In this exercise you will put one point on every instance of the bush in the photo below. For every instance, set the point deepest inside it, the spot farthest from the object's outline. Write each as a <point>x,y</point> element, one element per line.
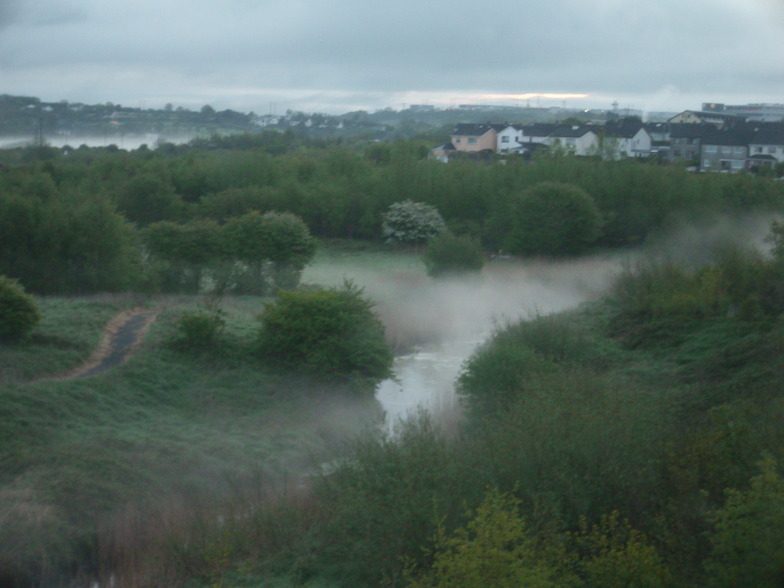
<point>553,218</point>
<point>329,333</point>
<point>451,254</point>
<point>412,222</point>
<point>200,329</point>
<point>18,312</point>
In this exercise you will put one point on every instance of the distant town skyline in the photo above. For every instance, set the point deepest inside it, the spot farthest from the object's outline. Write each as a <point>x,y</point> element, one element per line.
<point>337,56</point>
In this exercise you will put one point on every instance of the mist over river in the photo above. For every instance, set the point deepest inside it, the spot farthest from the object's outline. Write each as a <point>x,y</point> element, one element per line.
<point>436,324</point>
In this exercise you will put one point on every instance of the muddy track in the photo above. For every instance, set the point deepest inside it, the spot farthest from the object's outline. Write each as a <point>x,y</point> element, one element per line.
<point>120,338</point>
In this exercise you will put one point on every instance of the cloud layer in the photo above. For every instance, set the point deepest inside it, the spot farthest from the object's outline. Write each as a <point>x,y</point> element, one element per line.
<point>335,55</point>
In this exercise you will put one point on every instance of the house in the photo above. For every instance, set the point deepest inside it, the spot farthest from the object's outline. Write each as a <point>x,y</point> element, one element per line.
<point>628,138</point>
<point>475,137</point>
<point>509,139</point>
<point>717,119</point>
<point>538,132</point>
<point>766,147</point>
<point>443,152</point>
<point>725,150</point>
<point>685,140</point>
<point>577,139</point>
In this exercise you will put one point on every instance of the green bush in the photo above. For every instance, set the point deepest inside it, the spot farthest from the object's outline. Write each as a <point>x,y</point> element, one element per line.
<point>200,329</point>
<point>18,312</point>
<point>447,253</point>
<point>553,218</point>
<point>330,333</point>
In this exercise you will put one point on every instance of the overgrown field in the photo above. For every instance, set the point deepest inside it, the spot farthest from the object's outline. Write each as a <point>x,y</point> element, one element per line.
<point>161,434</point>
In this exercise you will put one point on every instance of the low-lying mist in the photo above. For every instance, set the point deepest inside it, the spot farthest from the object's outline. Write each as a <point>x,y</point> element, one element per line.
<point>435,324</point>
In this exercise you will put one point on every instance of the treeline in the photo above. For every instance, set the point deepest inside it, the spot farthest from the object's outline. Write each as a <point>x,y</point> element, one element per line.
<point>72,221</point>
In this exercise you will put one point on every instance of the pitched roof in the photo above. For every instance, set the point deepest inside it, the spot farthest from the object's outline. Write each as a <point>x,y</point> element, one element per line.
<point>768,134</point>
<point>690,131</point>
<point>571,131</point>
<point>624,129</point>
<point>473,130</point>
<point>539,129</point>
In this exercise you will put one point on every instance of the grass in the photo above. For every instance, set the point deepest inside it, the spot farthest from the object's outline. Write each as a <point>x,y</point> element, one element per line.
<point>164,424</point>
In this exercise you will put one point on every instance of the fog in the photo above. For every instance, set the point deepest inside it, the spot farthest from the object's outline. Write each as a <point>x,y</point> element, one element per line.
<point>435,325</point>
<point>128,142</point>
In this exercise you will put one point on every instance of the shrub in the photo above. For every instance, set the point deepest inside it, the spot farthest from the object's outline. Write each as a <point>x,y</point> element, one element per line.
<point>412,222</point>
<point>451,254</point>
<point>330,333</point>
<point>553,218</point>
<point>200,329</point>
<point>18,312</point>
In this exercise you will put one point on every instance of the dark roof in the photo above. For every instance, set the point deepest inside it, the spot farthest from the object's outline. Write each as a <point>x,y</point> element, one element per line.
<point>763,157</point>
<point>768,133</point>
<point>473,130</point>
<point>445,147</point>
<point>539,129</point>
<point>571,131</point>
<point>690,131</point>
<point>733,137</point>
<point>625,129</point>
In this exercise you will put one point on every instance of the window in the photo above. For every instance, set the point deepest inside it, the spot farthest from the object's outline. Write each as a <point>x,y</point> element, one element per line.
<point>505,139</point>
<point>706,163</point>
<point>771,150</point>
<point>472,141</point>
<point>738,150</point>
<point>711,149</point>
<point>758,150</point>
<point>457,140</point>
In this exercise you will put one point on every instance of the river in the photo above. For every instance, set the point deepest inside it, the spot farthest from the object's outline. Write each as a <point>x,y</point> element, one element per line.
<point>437,324</point>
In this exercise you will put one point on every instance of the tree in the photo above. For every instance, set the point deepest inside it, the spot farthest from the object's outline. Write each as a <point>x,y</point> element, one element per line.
<point>18,312</point>
<point>748,541</point>
<point>553,218</point>
<point>494,549</point>
<point>330,333</point>
<point>276,241</point>
<point>411,222</point>
<point>447,253</point>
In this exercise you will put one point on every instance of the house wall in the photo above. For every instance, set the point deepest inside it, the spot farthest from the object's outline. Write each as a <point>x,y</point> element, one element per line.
<point>509,138</point>
<point>473,143</point>
<point>730,158</point>
<point>776,151</point>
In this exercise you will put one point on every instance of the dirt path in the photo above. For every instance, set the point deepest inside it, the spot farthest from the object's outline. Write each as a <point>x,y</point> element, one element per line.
<point>120,337</point>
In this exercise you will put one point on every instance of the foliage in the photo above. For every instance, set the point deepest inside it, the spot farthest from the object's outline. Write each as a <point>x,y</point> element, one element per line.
<point>553,218</point>
<point>201,329</point>
<point>748,541</point>
<point>447,253</point>
<point>331,333</point>
<point>495,549</point>
<point>615,555</point>
<point>18,312</point>
<point>411,222</point>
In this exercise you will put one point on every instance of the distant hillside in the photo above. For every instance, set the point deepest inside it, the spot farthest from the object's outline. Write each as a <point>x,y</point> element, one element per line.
<point>29,117</point>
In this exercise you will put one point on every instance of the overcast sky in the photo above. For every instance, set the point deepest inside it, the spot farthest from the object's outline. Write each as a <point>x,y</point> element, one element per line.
<point>341,55</point>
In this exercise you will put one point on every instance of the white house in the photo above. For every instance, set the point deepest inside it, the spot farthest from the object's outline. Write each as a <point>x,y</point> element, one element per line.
<point>577,139</point>
<point>630,139</point>
<point>509,139</point>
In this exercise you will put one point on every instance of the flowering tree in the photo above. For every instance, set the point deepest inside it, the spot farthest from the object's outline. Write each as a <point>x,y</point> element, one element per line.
<point>412,222</point>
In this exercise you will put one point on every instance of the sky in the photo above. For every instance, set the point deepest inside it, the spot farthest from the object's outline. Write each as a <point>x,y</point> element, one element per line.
<point>337,56</point>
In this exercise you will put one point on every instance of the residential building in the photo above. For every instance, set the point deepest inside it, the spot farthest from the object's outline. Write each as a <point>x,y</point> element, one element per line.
<point>766,147</point>
<point>629,139</point>
<point>725,150</point>
<point>475,137</point>
<point>718,119</point>
<point>578,139</point>
<point>685,140</point>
